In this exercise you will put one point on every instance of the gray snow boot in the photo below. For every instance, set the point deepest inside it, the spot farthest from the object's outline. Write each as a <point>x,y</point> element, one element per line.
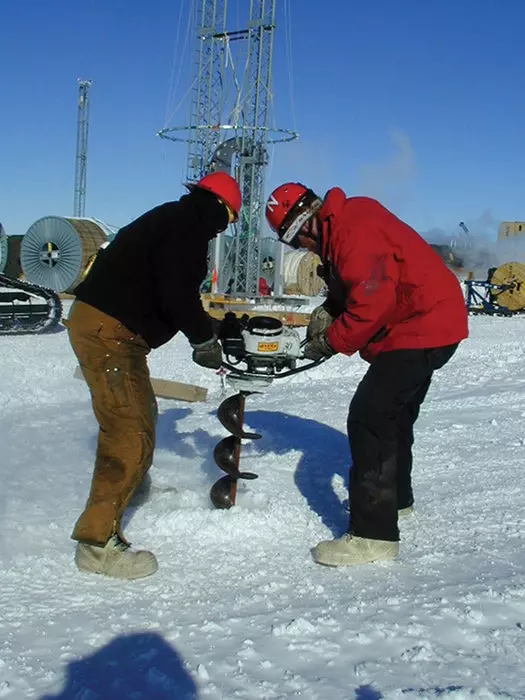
<point>116,559</point>
<point>350,550</point>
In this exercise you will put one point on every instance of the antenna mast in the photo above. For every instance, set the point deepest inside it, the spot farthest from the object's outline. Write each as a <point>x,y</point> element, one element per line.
<point>229,124</point>
<point>79,205</point>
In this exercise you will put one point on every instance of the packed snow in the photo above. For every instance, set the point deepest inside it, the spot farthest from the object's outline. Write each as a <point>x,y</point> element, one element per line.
<point>238,608</point>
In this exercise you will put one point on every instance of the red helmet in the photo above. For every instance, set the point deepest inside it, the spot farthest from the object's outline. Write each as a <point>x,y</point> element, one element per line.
<point>288,208</point>
<point>225,187</point>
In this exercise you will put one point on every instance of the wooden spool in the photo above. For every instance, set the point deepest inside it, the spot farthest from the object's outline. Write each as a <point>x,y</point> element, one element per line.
<point>300,273</point>
<point>511,273</point>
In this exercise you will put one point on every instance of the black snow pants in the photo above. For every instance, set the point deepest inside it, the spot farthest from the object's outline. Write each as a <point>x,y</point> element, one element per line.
<point>381,419</point>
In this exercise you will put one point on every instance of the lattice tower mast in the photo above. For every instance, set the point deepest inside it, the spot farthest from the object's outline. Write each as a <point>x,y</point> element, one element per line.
<point>249,119</point>
<point>207,91</point>
<point>229,124</point>
<point>79,205</point>
<point>253,154</point>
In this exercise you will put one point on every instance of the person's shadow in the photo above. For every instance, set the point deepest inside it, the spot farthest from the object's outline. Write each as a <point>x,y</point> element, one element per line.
<point>325,454</point>
<point>187,444</point>
<point>367,692</point>
<point>139,666</point>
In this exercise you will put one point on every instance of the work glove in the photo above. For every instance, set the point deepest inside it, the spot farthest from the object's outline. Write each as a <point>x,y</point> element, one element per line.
<point>208,354</point>
<point>318,347</point>
<point>216,324</point>
<point>320,320</point>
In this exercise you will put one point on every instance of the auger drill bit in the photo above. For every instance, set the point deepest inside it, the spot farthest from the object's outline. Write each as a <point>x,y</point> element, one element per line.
<point>228,451</point>
<point>226,455</point>
<point>231,415</point>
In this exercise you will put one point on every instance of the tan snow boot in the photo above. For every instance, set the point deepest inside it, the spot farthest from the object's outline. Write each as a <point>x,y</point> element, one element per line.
<point>402,512</point>
<point>116,559</point>
<point>350,550</point>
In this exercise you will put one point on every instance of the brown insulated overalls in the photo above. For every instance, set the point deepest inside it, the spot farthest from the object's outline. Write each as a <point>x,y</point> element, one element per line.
<point>113,360</point>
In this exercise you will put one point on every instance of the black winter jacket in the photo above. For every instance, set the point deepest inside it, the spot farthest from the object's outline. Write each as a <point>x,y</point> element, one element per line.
<point>148,278</point>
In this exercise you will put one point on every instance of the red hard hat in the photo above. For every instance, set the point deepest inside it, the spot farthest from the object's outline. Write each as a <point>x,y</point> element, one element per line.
<point>289,207</point>
<point>225,187</point>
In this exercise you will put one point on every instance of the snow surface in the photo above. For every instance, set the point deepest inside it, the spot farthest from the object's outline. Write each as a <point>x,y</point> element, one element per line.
<point>238,608</point>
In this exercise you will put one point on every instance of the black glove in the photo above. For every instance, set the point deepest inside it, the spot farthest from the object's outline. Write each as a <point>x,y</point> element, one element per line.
<point>208,354</point>
<point>318,347</point>
<point>320,320</point>
<point>216,324</point>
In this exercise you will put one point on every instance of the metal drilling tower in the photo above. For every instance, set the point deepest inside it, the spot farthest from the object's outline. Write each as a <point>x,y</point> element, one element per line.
<point>229,124</point>
<point>79,205</point>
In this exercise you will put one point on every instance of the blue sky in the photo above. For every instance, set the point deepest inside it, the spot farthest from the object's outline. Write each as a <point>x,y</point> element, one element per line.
<point>417,102</point>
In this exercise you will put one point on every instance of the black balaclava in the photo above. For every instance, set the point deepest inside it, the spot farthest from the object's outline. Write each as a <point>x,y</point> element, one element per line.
<point>212,214</point>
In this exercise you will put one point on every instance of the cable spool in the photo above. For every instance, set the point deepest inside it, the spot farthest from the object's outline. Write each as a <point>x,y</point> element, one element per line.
<point>511,273</point>
<point>55,251</point>
<point>300,273</point>
<point>3,248</point>
<point>268,256</point>
<point>109,230</point>
<point>268,247</point>
<point>13,269</point>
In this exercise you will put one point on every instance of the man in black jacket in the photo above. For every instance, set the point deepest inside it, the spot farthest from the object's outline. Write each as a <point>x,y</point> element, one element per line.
<point>141,290</point>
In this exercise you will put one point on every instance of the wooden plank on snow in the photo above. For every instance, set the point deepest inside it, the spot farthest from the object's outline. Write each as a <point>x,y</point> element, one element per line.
<point>168,389</point>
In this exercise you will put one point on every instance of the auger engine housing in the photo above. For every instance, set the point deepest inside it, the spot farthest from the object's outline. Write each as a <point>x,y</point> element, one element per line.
<point>262,343</point>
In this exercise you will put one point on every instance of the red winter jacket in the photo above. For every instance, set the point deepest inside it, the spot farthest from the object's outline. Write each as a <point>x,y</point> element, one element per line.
<point>390,289</point>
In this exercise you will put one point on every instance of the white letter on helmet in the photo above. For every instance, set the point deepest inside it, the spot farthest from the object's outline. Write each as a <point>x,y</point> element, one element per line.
<point>272,202</point>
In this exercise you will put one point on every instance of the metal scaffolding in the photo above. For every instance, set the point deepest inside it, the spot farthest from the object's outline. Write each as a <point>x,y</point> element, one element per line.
<point>79,205</point>
<point>229,125</point>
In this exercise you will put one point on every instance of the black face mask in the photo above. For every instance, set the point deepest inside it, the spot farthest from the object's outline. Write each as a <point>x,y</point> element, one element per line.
<point>211,212</point>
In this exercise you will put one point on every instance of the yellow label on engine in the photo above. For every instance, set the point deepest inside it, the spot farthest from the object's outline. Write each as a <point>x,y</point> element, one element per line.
<point>267,347</point>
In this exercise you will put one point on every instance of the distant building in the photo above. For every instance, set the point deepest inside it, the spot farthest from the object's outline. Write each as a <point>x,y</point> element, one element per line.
<point>511,229</point>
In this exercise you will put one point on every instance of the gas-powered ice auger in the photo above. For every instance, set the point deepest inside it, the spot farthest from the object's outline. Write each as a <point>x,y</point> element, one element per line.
<point>257,350</point>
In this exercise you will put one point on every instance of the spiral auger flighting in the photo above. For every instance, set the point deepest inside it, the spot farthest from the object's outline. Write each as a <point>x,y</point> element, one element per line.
<point>227,452</point>
<point>256,351</point>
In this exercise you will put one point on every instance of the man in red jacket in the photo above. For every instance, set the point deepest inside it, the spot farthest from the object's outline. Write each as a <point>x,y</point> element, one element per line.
<point>392,299</point>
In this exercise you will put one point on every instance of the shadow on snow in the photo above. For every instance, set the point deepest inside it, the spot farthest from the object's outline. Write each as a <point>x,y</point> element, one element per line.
<point>324,454</point>
<point>139,666</point>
